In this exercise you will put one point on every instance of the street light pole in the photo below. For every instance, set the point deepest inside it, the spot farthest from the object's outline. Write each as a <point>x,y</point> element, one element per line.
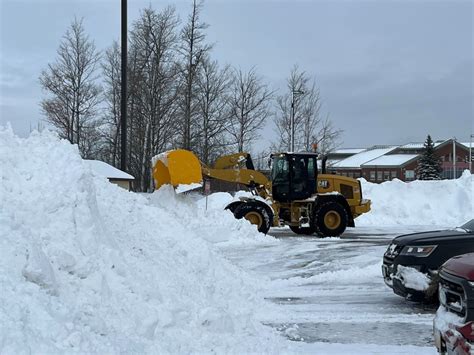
<point>294,94</point>
<point>454,158</point>
<point>292,123</point>
<point>123,98</point>
<point>470,153</point>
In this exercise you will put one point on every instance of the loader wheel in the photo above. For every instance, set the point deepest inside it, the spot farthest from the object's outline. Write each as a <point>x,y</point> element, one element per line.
<point>255,214</point>
<point>302,230</point>
<point>330,219</point>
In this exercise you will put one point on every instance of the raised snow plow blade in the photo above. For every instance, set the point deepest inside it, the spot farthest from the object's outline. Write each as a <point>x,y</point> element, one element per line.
<point>178,168</point>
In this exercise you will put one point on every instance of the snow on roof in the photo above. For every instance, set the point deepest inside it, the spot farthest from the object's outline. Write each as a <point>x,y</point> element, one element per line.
<point>357,160</point>
<point>108,171</point>
<point>329,162</point>
<point>418,145</point>
<point>466,144</point>
<point>349,150</point>
<point>391,160</point>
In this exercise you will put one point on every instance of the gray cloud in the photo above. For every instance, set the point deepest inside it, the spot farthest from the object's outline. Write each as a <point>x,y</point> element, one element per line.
<point>389,71</point>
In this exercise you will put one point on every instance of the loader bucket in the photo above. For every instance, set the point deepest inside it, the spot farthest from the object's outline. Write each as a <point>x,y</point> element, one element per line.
<point>177,167</point>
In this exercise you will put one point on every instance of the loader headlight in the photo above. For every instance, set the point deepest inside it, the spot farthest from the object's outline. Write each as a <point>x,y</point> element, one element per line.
<point>421,250</point>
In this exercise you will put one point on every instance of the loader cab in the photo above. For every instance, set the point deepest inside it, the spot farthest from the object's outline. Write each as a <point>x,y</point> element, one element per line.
<point>293,176</point>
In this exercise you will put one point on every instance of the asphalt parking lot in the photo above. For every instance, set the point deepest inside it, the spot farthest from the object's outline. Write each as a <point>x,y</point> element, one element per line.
<point>331,290</point>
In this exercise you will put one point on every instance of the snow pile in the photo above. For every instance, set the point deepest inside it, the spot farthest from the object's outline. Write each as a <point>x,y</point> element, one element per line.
<point>88,267</point>
<point>445,321</point>
<point>412,278</point>
<point>181,188</point>
<point>214,224</point>
<point>438,203</point>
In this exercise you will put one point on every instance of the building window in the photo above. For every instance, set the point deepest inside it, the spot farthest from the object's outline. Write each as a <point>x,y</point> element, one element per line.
<point>379,175</point>
<point>410,174</point>
<point>394,174</point>
<point>386,175</point>
<point>372,175</point>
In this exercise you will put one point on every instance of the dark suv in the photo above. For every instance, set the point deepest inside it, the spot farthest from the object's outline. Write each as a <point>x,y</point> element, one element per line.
<point>454,322</point>
<point>411,261</point>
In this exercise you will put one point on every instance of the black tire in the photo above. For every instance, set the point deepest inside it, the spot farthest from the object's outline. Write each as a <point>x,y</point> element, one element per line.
<point>251,210</point>
<point>233,206</point>
<point>327,212</point>
<point>302,230</point>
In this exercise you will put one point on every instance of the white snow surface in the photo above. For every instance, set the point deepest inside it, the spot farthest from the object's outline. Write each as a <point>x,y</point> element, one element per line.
<point>443,203</point>
<point>88,267</point>
<point>103,169</point>
<point>349,150</point>
<point>391,160</point>
<point>181,188</point>
<point>356,160</point>
<point>445,320</point>
<point>163,157</point>
<point>418,145</point>
<point>412,278</point>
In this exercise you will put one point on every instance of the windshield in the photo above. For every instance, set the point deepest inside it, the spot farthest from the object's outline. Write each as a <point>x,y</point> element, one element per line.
<point>280,173</point>
<point>469,226</point>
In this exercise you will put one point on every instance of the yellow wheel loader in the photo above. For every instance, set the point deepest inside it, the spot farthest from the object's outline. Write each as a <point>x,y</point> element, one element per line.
<point>296,194</point>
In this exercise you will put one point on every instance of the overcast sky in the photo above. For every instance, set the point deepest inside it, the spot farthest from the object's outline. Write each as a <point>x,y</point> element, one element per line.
<point>389,72</point>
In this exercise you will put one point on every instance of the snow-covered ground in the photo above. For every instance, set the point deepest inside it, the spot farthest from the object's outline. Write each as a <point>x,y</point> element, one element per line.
<point>332,291</point>
<point>88,267</point>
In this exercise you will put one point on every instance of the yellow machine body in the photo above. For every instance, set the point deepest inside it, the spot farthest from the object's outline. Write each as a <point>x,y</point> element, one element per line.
<point>348,187</point>
<point>341,196</point>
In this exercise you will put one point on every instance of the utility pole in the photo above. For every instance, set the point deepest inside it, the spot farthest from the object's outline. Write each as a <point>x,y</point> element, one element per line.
<point>123,98</point>
<point>294,93</point>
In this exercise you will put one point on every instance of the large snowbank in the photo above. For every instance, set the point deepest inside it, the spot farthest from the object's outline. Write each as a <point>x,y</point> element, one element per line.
<point>439,203</point>
<point>88,267</point>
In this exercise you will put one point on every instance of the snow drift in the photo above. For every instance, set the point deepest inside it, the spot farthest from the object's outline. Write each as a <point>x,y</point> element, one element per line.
<point>88,267</point>
<point>445,203</point>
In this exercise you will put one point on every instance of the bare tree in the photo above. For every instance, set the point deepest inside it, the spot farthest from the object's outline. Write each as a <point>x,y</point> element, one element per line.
<point>70,81</point>
<point>153,89</point>
<point>327,136</point>
<point>249,107</point>
<point>261,159</point>
<point>302,103</point>
<point>91,144</point>
<point>111,71</point>
<point>212,86</point>
<point>193,49</point>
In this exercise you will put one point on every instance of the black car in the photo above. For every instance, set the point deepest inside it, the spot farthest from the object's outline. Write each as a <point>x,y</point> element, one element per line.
<point>411,262</point>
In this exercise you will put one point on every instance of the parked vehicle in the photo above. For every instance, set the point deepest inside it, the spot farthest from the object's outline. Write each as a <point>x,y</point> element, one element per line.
<point>411,262</point>
<point>454,322</point>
